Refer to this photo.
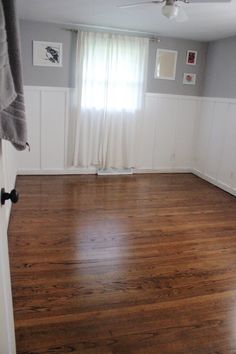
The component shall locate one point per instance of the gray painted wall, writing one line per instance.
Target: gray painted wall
(176, 87)
(64, 77)
(46, 76)
(220, 77)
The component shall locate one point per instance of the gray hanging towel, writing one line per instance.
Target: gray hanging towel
(12, 107)
(7, 88)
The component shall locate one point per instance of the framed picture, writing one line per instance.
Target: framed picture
(191, 57)
(166, 61)
(47, 54)
(189, 79)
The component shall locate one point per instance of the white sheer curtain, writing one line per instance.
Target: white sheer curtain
(111, 76)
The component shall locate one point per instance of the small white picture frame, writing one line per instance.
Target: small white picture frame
(189, 79)
(47, 54)
(191, 58)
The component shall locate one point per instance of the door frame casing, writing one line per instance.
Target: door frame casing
(7, 330)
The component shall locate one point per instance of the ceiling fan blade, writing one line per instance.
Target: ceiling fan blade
(140, 3)
(182, 15)
(208, 1)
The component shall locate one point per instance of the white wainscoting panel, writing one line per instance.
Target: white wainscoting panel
(203, 127)
(165, 141)
(167, 137)
(53, 121)
(31, 160)
(227, 168)
(184, 134)
(147, 133)
(215, 153)
(176, 134)
(47, 114)
(216, 139)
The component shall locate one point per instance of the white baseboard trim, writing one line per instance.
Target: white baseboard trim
(218, 184)
(69, 171)
(91, 171)
(162, 170)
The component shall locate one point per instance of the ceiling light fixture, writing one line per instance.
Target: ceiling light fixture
(170, 10)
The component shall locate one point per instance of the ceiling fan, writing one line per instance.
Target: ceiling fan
(171, 8)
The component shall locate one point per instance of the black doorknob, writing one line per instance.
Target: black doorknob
(13, 196)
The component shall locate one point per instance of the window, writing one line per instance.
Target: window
(112, 72)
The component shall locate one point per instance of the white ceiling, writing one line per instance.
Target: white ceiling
(207, 21)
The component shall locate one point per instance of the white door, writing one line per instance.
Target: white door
(7, 335)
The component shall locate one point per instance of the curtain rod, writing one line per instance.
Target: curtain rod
(150, 35)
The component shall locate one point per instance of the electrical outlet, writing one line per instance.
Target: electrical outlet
(172, 157)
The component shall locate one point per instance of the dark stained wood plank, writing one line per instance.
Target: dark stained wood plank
(123, 265)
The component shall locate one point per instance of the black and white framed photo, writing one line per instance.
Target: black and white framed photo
(191, 57)
(47, 54)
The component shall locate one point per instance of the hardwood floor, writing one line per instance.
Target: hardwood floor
(142, 264)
